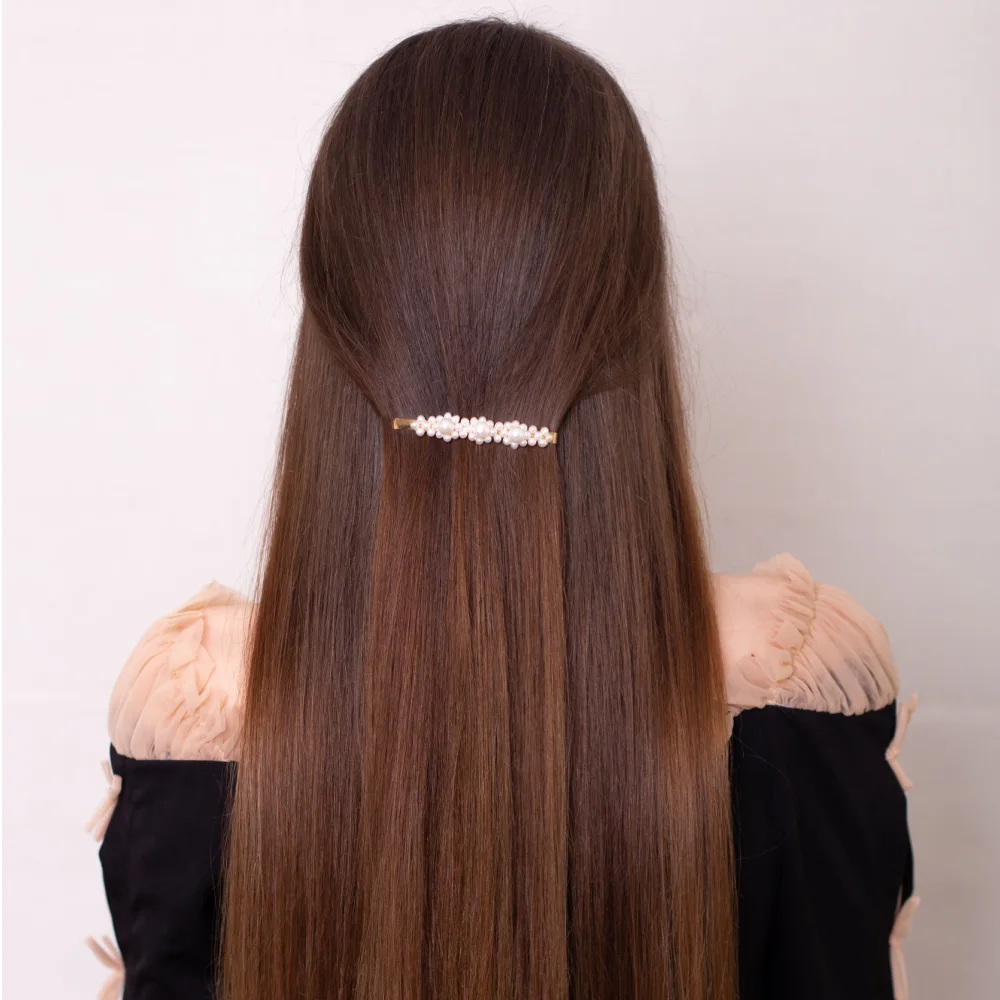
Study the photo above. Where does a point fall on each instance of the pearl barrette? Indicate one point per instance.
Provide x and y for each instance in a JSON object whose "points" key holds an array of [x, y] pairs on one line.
{"points": [[449, 426]]}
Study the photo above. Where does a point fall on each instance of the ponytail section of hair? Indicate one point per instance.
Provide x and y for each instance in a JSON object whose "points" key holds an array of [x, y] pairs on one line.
{"points": [[462, 882], [400, 819]]}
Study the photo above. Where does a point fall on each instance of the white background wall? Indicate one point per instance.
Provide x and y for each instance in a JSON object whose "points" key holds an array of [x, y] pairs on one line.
{"points": [[830, 170]]}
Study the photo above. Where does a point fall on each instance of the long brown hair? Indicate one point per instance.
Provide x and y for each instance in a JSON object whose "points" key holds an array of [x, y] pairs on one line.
{"points": [[484, 742]]}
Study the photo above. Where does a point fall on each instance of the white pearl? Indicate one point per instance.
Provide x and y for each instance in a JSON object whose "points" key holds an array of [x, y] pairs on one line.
{"points": [[518, 435], [513, 433]]}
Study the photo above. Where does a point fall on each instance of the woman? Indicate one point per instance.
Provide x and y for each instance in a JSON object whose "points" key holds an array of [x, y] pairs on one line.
{"points": [[490, 728]]}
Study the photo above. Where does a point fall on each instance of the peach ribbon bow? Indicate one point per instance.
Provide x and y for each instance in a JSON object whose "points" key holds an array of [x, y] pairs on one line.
{"points": [[903, 716], [900, 986], [98, 823], [107, 953]]}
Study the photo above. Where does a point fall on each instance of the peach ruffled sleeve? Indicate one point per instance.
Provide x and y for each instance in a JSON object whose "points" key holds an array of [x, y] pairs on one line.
{"points": [[179, 694], [790, 641]]}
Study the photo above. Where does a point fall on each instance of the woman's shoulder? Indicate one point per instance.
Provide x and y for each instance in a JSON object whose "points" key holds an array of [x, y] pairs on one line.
{"points": [[790, 641], [824, 861], [786, 640], [179, 695]]}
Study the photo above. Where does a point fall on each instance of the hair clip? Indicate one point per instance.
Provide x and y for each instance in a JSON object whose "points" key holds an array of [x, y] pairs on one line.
{"points": [[450, 426]]}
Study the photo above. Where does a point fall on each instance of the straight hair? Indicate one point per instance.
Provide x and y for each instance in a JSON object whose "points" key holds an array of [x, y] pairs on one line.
{"points": [[484, 744]]}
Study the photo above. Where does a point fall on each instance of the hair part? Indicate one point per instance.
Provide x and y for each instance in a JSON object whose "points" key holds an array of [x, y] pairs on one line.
{"points": [[484, 748]]}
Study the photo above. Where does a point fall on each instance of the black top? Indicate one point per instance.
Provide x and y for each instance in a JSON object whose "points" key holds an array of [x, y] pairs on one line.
{"points": [[823, 860]]}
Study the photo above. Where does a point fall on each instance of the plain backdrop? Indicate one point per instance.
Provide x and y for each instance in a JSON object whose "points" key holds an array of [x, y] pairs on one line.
{"points": [[830, 172]]}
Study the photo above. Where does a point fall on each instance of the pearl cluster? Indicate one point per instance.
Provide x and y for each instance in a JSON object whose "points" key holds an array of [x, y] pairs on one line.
{"points": [[450, 426]]}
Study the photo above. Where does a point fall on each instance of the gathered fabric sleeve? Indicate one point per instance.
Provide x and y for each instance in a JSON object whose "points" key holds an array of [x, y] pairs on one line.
{"points": [[788, 640], [823, 854], [174, 722], [178, 697]]}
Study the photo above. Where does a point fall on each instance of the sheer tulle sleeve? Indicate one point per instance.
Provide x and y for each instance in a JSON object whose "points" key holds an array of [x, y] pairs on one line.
{"points": [[174, 722], [819, 805], [790, 641], [178, 696]]}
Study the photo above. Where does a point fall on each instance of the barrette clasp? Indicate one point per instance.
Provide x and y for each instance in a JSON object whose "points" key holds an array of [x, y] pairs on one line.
{"points": [[449, 426]]}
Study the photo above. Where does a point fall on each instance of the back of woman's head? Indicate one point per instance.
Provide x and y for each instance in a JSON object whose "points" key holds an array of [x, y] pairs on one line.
{"points": [[484, 739]]}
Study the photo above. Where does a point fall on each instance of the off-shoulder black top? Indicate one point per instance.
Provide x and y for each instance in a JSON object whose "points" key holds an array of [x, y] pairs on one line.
{"points": [[823, 857]]}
